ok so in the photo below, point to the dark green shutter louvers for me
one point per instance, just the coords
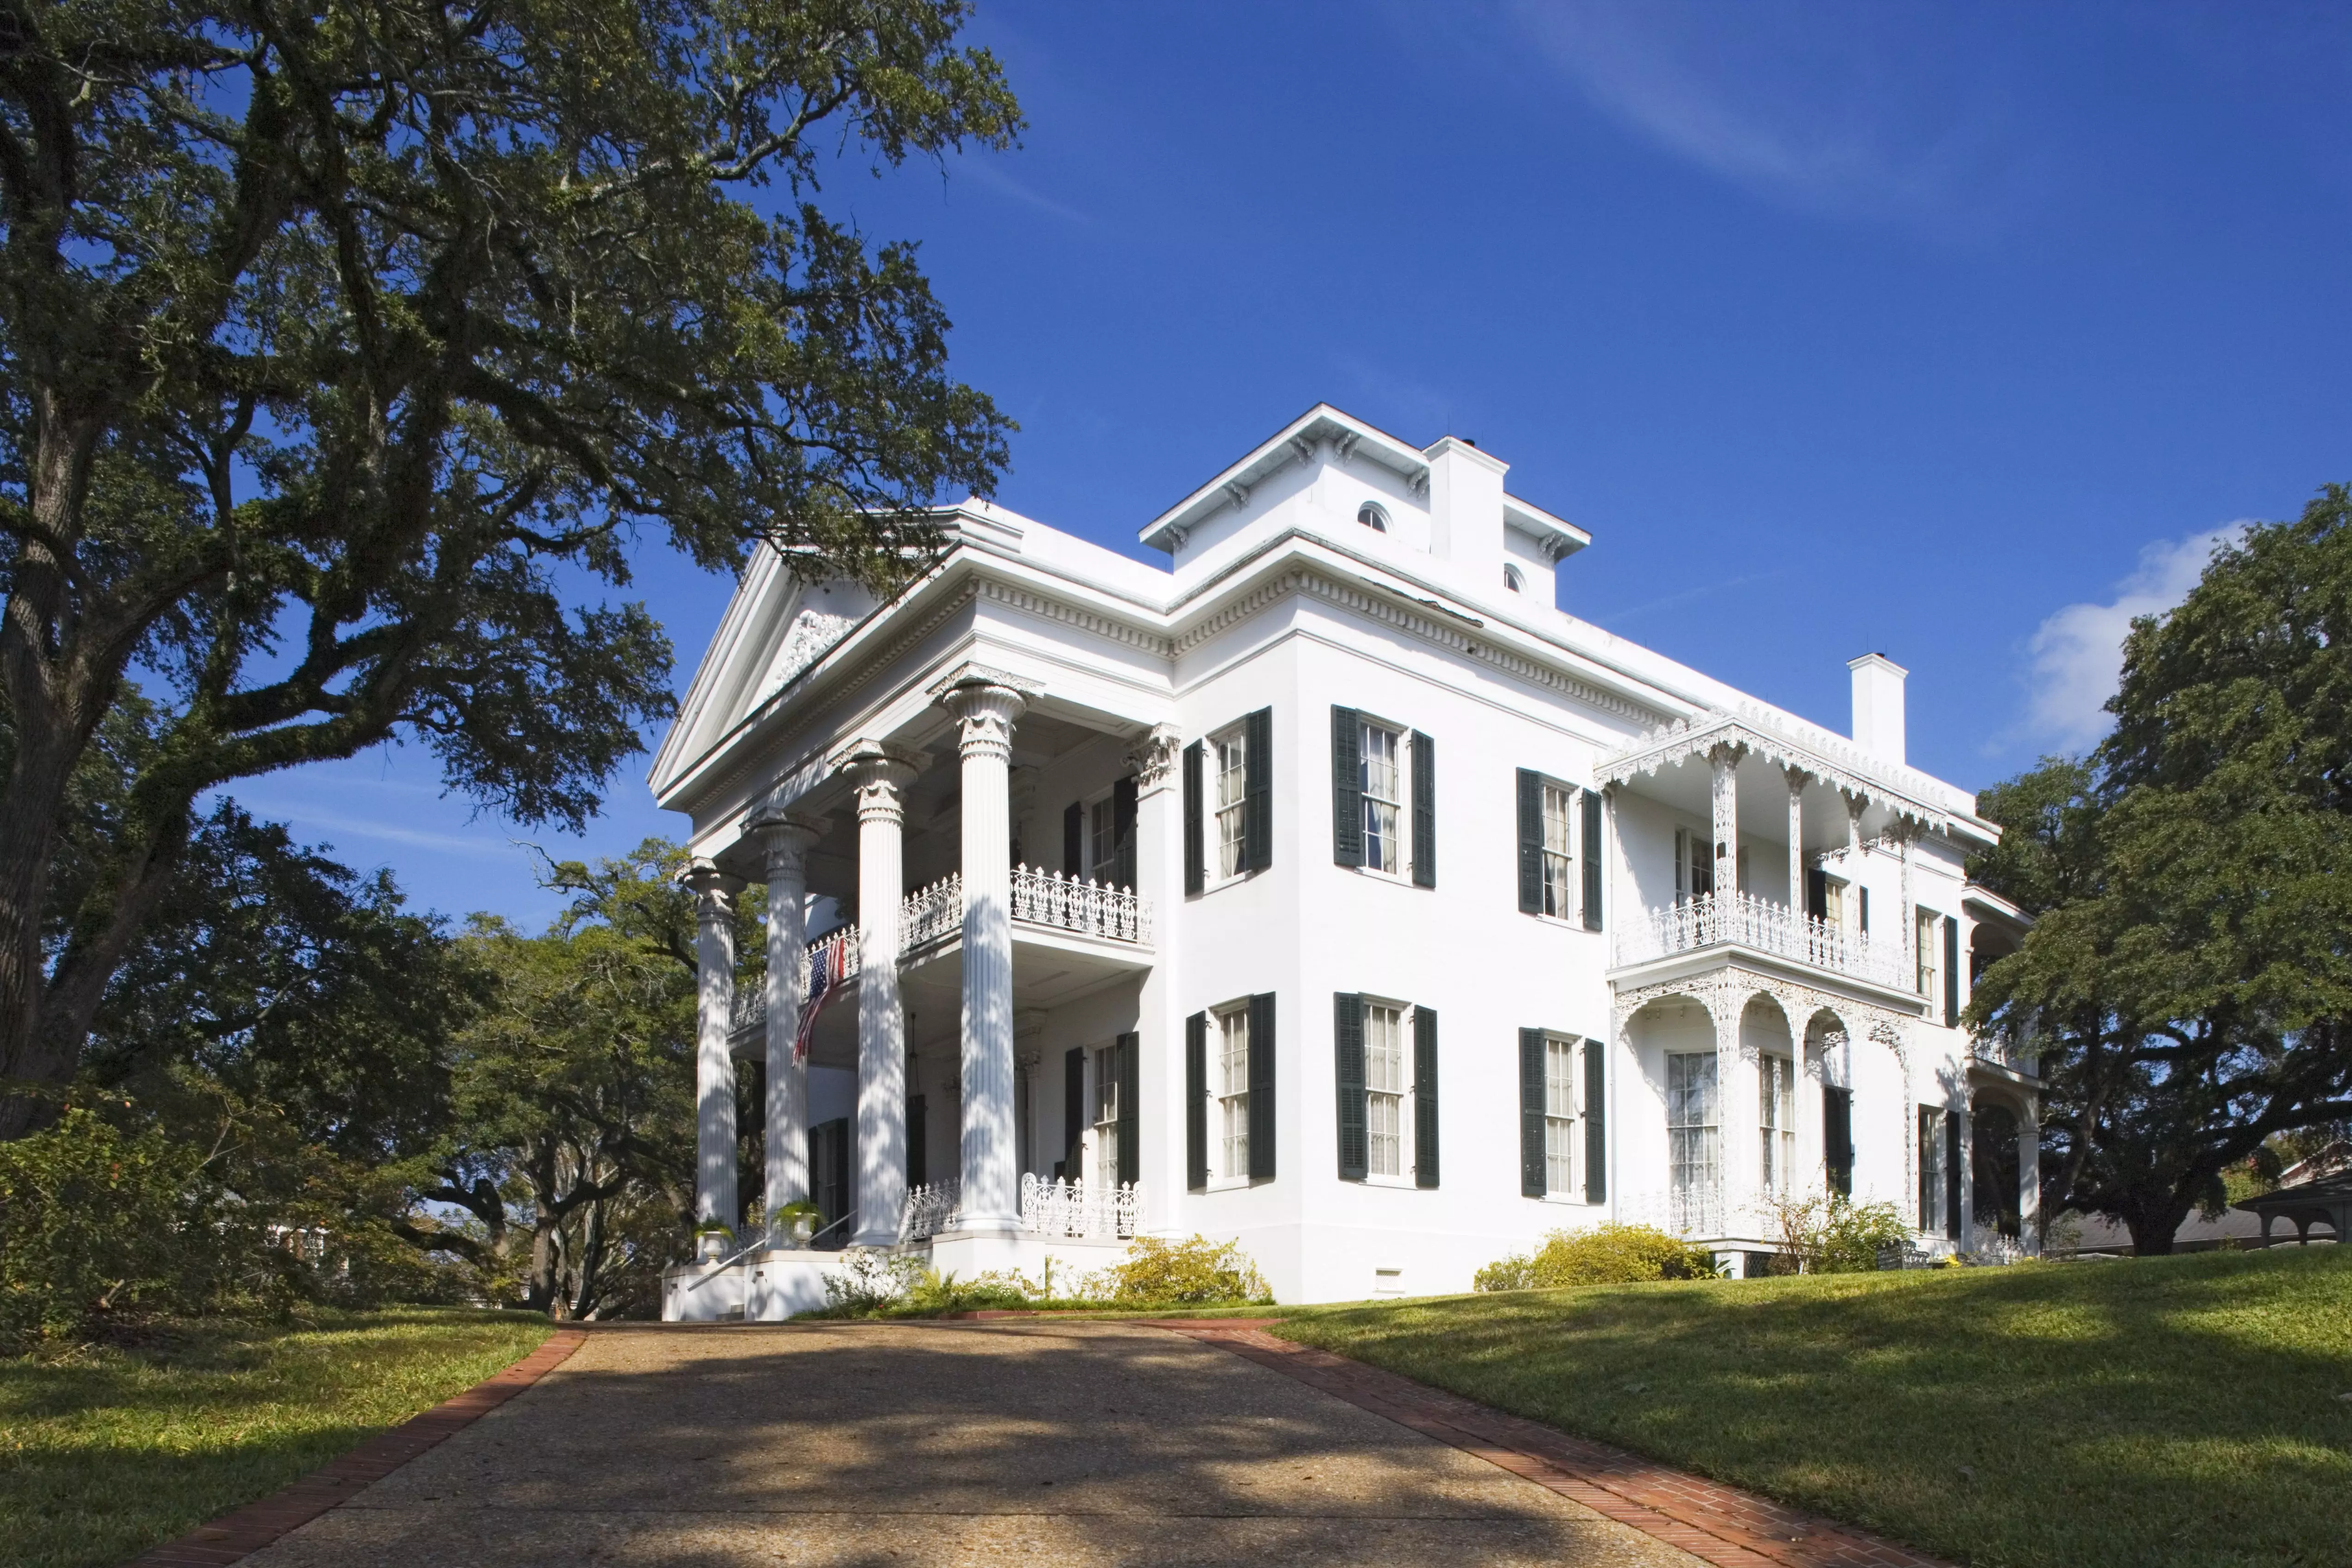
(918, 1164)
(1596, 1123)
(1424, 811)
(1951, 971)
(1130, 1163)
(1258, 791)
(1530, 843)
(1346, 788)
(1196, 864)
(1261, 1087)
(1531, 1113)
(1592, 861)
(1073, 1109)
(1348, 1061)
(1123, 797)
(1952, 1175)
(1196, 1101)
(1424, 1097)
(1074, 840)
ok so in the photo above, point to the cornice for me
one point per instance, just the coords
(1842, 767)
(1031, 602)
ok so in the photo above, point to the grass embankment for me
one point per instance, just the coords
(2161, 1412)
(108, 1451)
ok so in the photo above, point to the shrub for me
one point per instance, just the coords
(1196, 1270)
(1833, 1236)
(96, 1226)
(870, 1280)
(1606, 1254)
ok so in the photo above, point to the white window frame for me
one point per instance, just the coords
(1514, 579)
(1564, 1112)
(1229, 1088)
(1398, 840)
(1694, 855)
(1562, 858)
(1371, 514)
(1701, 1162)
(1102, 1159)
(1927, 929)
(1228, 760)
(1389, 1094)
(1776, 1123)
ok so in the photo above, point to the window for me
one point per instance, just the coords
(1514, 579)
(1107, 1076)
(1834, 904)
(1229, 756)
(1383, 791)
(1694, 866)
(1372, 517)
(1232, 1091)
(1559, 1116)
(1384, 1085)
(1691, 1134)
(1927, 943)
(1776, 1126)
(1557, 855)
(1102, 839)
(1931, 1168)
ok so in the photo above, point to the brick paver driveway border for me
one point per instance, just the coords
(1716, 1523)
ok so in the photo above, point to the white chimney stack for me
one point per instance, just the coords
(1878, 706)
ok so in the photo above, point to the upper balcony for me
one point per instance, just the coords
(1738, 922)
(1093, 932)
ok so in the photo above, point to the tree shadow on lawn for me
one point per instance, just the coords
(2161, 1411)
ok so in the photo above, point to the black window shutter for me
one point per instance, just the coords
(1424, 1097)
(1817, 894)
(1074, 1108)
(1261, 1087)
(1122, 827)
(1346, 788)
(1424, 811)
(1592, 861)
(1951, 971)
(1930, 1189)
(1596, 1123)
(1131, 1163)
(1952, 1175)
(1531, 1112)
(1258, 793)
(1348, 1074)
(1530, 843)
(1196, 1101)
(918, 1164)
(1837, 1138)
(1074, 840)
(1196, 864)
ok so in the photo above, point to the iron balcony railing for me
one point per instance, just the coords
(1740, 920)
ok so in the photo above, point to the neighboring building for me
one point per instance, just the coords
(1363, 906)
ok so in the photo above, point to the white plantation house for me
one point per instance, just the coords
(1330, 891)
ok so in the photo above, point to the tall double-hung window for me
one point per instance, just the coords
(1776, 1134)
(1233, 1081)
(1693, 1135)
(1561, 1133)
(1383, 792)
(1107, 1108)
(1558, 852)
(1230, 754)
(1385, 1083)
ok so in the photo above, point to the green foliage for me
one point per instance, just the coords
(115, 1447)
(1834, 1235)
(1196, 1270)
(2188, 984)
(347, 354)
(1608, 1254)
(1967, 1411)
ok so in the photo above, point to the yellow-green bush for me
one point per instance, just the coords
(1196, 1270)
(1605, 1255)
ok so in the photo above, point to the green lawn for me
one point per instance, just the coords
(2162, 1413)
(108, 1452)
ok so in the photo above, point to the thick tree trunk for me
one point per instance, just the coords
(2152, 1229)
(28, 849)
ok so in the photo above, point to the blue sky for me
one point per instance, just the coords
(1954, 331)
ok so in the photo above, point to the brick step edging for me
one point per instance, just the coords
(1718, 1524)
(243, 1530)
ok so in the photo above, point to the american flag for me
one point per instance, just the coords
(824, 966)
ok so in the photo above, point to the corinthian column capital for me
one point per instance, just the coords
(714, 890)
(879, 773)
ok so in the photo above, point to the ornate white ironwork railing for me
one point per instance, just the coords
(2002, 1053)
(1681, 1211)
(930, 914)
(1092, 909)
(837, 948)
(1743, 921)
(931, 1209)
(1078, 1211)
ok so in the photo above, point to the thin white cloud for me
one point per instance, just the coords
(1841, 109)
(2076, 655)
(982, 171)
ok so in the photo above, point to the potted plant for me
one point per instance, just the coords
(794, 1224)
(713, 1239)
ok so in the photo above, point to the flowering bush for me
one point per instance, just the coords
(1196, 1270)
(1605, 1255)
(1834, 1235)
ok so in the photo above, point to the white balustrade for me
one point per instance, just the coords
(837, 948)
(1073, 1210)
(932, 914)
(1741, 919)
(932, 1208)
(1686, 1212)
(1092, 909)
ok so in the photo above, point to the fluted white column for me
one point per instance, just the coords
(2029, 1180)
(786, 841)
(985, 711)
(715, 1196)
(881, 776)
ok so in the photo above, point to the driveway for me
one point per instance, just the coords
(1061, 1444)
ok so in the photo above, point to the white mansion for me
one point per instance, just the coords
(1331, 892)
